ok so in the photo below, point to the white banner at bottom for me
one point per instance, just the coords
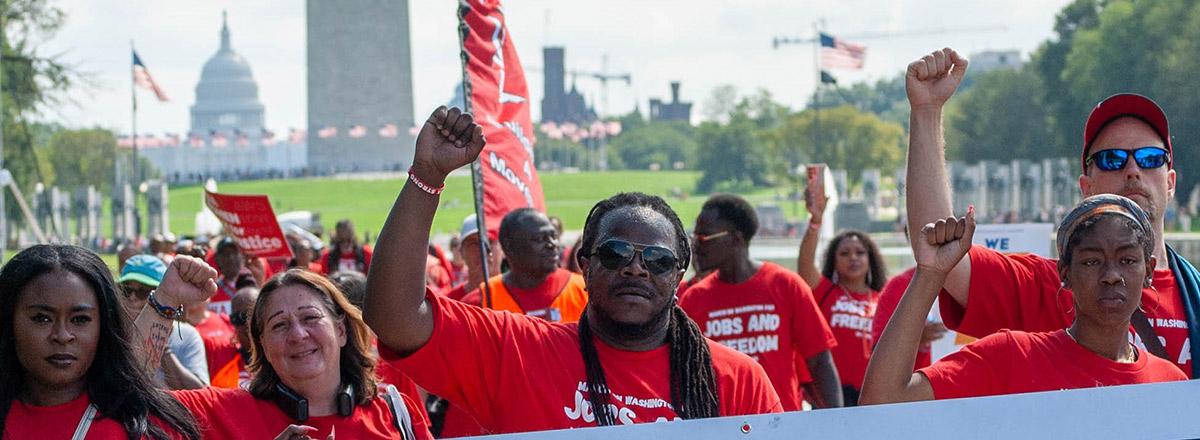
(1151, 411)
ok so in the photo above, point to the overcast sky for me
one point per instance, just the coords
(704, 43)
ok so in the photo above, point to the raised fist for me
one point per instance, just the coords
(448, 140)
(943, 243)
(932, 80)
(188, 280)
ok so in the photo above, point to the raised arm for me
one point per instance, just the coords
(889, 376)
(188, 280)
(930, 82)
(806, 261)
(395, 305)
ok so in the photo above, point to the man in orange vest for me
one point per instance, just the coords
(534, 285)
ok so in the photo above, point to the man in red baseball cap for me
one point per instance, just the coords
(1126, 150)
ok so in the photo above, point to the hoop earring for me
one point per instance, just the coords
(1058, 300)
(1157, 305)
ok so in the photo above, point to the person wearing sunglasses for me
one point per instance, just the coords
(184, 362)
(516, 373)
(760, 308)
(1126, 150)
(534, 284)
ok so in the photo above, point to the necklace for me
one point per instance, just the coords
(1126, 359)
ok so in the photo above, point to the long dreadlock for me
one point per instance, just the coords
(693, 383)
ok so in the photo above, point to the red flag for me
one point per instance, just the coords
(500, 102)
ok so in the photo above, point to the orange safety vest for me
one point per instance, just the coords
(566, 307)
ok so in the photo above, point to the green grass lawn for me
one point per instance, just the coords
(367, 202)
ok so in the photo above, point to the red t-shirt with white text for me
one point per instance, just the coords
(889, 299)
(849, 314)
(516, 373)
(1010, 362)
(235, 414)
(58, 422)
(770, 317)
(1021, 292)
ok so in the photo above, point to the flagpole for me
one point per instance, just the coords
(137, 170)
(476, 166)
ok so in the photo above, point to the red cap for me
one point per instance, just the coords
(1121, 105)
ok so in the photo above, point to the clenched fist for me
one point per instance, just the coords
(932, 80)
(448, 140)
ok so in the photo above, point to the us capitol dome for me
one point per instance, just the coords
(227, 95)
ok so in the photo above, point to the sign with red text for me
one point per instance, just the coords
(250, 220)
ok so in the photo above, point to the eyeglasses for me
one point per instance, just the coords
(615, 254)
(701, 239)
(1115, 159)
(239, 319)
(137, 292)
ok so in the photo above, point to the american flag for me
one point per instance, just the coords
(327, 132)
(171, 139)
(125, 142)
(838, 54)
(218, 139)
(357, 131)
(296, 136)
(242, 139)
(389, 131)
(268, 137)
(141, 77)
(195, 139)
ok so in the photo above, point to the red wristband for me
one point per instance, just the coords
(425, 186)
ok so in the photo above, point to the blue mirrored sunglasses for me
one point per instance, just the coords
(1115, 159)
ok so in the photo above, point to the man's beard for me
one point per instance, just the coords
(632, 331)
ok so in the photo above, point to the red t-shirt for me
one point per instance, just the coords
(1021, 291)
(346, 261)
(771, 317)
(235, 414)
(849, 314)
(1010, 362)
(57, 422)
(889, 299)
(516, 373)
(220, 342)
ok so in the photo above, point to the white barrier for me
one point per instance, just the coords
(1153, 411)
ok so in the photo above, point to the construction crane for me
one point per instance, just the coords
(604, 77)
(786, 40)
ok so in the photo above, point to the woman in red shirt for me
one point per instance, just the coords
(846, 288)
(1105, 246)
(633, 357)
(65, 355)
(313, 365)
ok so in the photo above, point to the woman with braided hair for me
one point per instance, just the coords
(633, 357)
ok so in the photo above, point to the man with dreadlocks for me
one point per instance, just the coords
(633, 357)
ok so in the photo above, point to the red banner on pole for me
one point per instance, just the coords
(251, 221)
(499, 99)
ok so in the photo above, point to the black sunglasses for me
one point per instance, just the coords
(615, 254)
(136, 292)
(1115, 159)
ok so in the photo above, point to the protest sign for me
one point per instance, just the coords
(250, 220)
